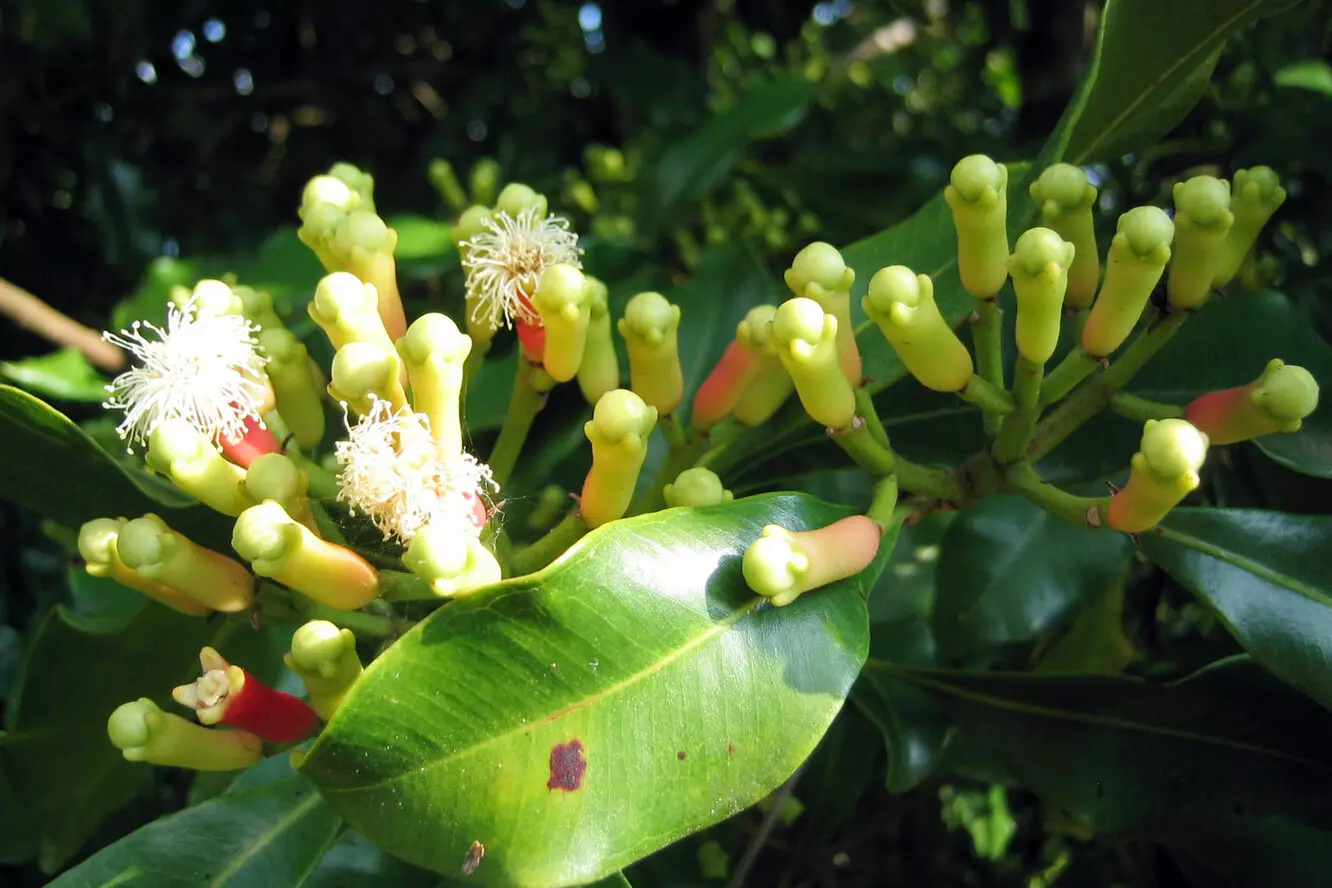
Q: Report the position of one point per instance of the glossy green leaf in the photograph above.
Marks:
(1152, 62)
(1124, 757)
(40, 450)
(425, 247)
(538, 716)
(1009, 572)
(354, 861)
(1314, 75)
(271, 837)
(64, 375)
(1266, 576)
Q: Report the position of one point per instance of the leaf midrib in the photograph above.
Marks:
(1234, 559)
(264, 839)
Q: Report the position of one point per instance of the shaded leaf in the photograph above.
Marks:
(354, 861)
(64, 375)
(538, 716)
(1314, 75)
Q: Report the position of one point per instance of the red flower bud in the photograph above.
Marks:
(256, 442)
(228, 695)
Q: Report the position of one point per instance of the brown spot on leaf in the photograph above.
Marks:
(473, 858)
(680, 755)
(566, 766)
(729, 749)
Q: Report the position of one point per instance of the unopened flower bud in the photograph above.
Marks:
(806, 340)
(483, 180)
(1277, 401)
(445, 181)
(325, 658)
(363, 374)
(1138, 255)
(819, 272)
(255, 440)
(977, 193)
(1257, 195)
(144, 733)
(151, 549)
(599, 371)
(364, 245)
(347, 310)
(276, 477)
(183, 454)
(618, 431)
(1066, 199)
(471, 222)
(1040, 270)
(1202, 221)
(902, 304)
(434, 351)
(358, 181)
(452, 563)
(279, 547)
(1163, 471)
(517, 197)
(650, 327)
(213, 298)
(324, 202)
(783, 564)
(745, 359)
(228, 695)
(257, 305)
(295, 388)
(562, 300)
(99, 549)
(698, 486)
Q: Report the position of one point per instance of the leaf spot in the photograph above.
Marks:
(566, 766)
(680, 755)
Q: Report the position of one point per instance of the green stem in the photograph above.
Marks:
(884, 505)
(551, 546)
(992, 400)
(1076, 366)
(1141, 409)
(280, 604)
(866, 410)
(860, 443)
(323, 484)
(1015, 433)
(399, 585)
(934, 483)
(1094, 397)
(524, 404)
(987, 338)
(1086, 511)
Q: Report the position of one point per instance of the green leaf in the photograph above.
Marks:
(425, 248)
(20, 833)
(271, 837)
(578, 719)
(355, 862)
(41, 450)
(1152, 62)
(1009, 572)
(1266, 576)
(64, 375)
(1311, 74)
(1218, 751)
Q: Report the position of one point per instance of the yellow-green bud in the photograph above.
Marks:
(902, 304)
(517, 197)
(279, 547)
(214, 298)
(806, 340)
(1066, 199)
(618, 431)
(483, 181)
(363, 373)
(1039, 267)
(299, 400)
(562, 298)
(154, 551)
(471, 223)
(365, 244)
(446, 182)
(1163, 471)
(347, 310)
(977, 193)
(452, 563)
(324, 202)
(770, 385)
(185, 455)
(1277, 401)
(1257, 195)
(1202, 220)
(650, 328)
(257, 305)
(599, 371)
(144, 733)
(783, 565)
(434, 351)
(98, 547)
(819, 272)
(358, 181)
(698, 486)
(274, 476)
(325, 658)
(1138, 255)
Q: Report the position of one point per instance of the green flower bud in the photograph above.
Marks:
(1257, 195)
(325, 658)
(769, 385)
(1202, 221)
(1040, 269)
(365, 244)
(1277, 401)
(1066, 199)
(517, 197)
(276, 477)
(818, 272)
(618, 431)
(650, 327)
(98, 547)
(749, 355)
(1138, 255)
(144, 733)
(783, 565)
(214, 299)
(156, 552)
(257, 305)
(484, 179)
(806, 340)
(453, 564)
(562, 299)
(324, 202)
(358, 181)
(279, 547)
(181, 452)
(364, 373)
(446, 183)
(289, 370)
(902, 304)
(978, 196)
(347, 310)
(1163, 471)
(599, 371)
(471, 223)
(434, 352)
(698, 486)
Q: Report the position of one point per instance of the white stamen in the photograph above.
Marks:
(504, 262)
(203, 368)
(392, 472)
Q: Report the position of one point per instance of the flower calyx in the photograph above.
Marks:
(650, 328)
(618, 431)
(902, 304)
(228, 695)
(783, 565)
(281, 548)
(977, 193)
(1277, 401)
(325, 658)
(144, 733)
(1162, 472)
(805, 337)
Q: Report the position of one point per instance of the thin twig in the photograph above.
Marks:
(33, 314)
(765, 829)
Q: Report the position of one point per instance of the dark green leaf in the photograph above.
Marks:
(1266, 576)
(355, 862)
(1272, 852)
(641, 657)
(64, 375)
(271, 837)
(20, 833)
(1009, 572)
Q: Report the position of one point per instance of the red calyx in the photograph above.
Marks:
(270, 714)
(532, 334)
(256, 442)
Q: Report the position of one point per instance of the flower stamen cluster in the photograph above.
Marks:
(505, 260)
